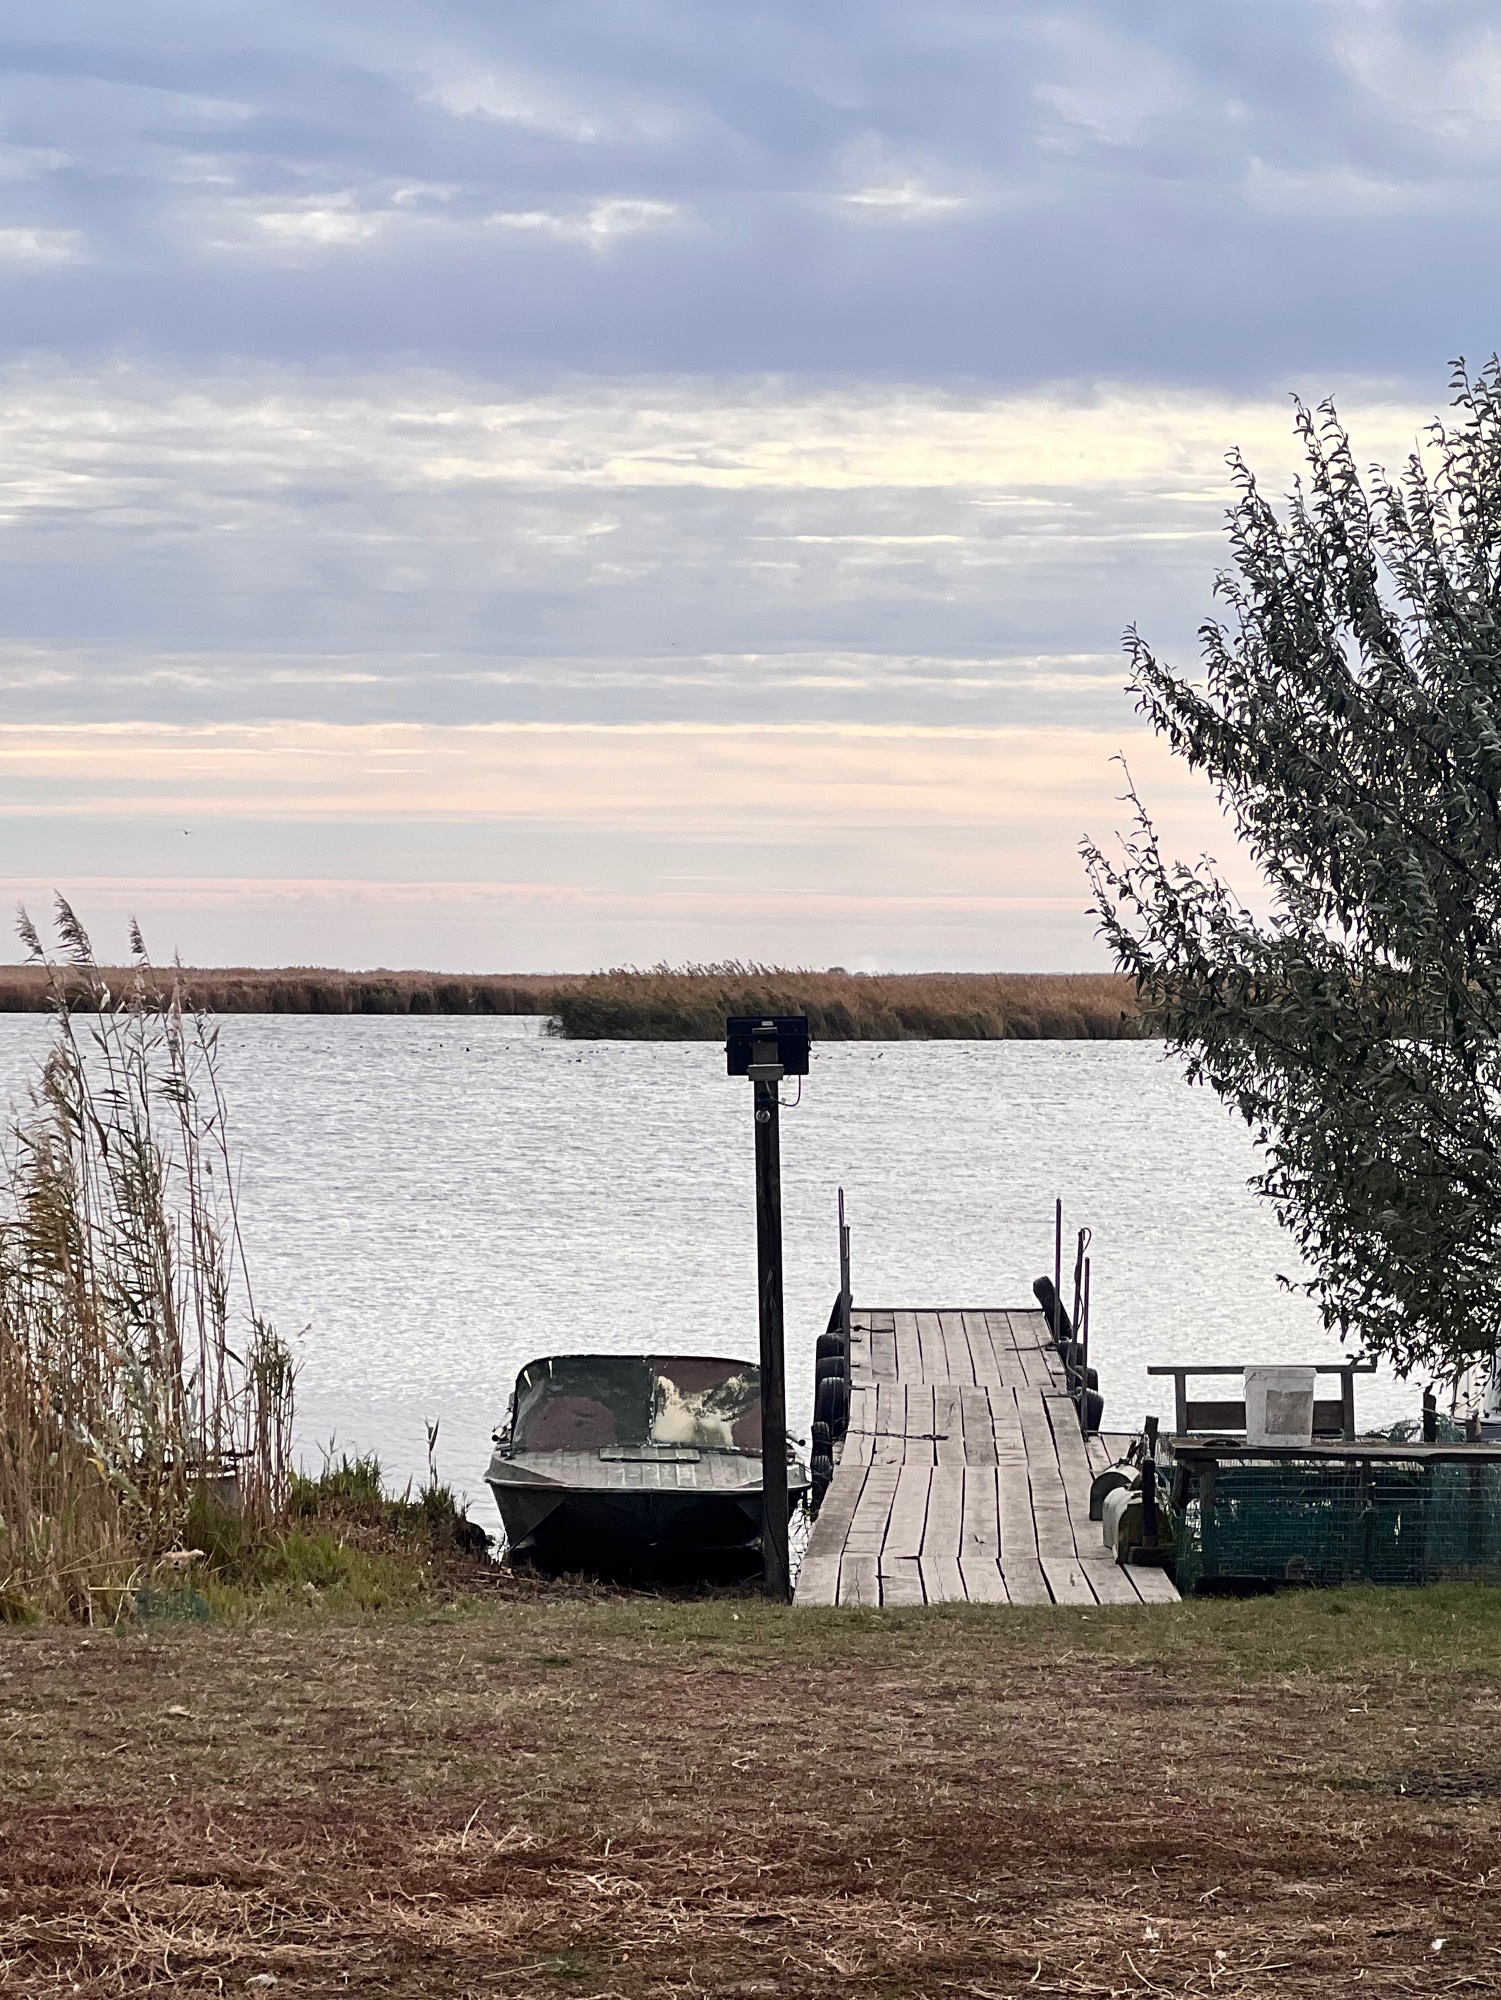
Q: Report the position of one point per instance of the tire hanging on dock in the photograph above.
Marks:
(820, 1465)
(1055, 1311)
(831, 1405)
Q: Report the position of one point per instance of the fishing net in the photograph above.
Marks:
(1350, 1521)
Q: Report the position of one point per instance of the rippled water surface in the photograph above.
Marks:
(428, 1204)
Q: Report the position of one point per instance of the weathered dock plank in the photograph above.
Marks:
(981, 1351)
(909, 1513)
(859, 1580)
(978, 1426)
(1153, 1586)
(979, 1515)
(983, 1582)
(1023, 1572)
(909, 1366)
(948, 1424)
(943, 1534)
(881, 1334)
(931, 1345)
(1003, 1347)
(964, 1476)
(956, 1340)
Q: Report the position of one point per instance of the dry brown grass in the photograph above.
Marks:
(647, 1799)
(686, 1003)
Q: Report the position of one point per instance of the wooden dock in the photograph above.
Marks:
(963, 1476)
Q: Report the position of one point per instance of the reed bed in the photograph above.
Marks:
(139, 1385)
(690, 1003)
(664, 1003)
(301, 989)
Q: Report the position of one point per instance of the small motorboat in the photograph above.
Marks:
(635, 1464)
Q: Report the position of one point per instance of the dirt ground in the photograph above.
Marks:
(635, 1797)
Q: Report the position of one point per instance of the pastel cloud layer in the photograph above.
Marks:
(687, 468)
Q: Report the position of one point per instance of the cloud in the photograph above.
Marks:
(676, 777)
(40, 247)
(1432, 72)
(998, 193)
(323, 221)
(1343, 193)
(598, 225)
(908, 202)
(129, 432)
(429, 548)
(1106, 86)
(550, 105)
(891, 184)
(338, 221)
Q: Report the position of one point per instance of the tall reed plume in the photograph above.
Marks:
(136, 1377)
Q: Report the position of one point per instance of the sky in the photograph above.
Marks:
(506, 487)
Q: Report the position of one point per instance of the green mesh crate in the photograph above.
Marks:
(1323, 1521)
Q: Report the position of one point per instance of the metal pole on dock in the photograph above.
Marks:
(1057, 1265)
(1084, 1354)
(844, 1292)
(766, 1050)
(1079, 1279)
(773, 1350)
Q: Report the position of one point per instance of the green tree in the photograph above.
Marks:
(1349, 720)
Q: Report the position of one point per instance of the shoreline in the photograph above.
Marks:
(661, 1004)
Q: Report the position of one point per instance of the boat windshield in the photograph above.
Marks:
(715, 1405)
(586, 1402)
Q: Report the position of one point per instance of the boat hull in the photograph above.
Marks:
(634, 1532)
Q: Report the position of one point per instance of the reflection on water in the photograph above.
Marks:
(437, 1202)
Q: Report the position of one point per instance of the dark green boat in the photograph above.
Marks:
(635, 1464)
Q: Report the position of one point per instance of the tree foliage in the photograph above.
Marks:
(1349, 719)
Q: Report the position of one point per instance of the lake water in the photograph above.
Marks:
(427, 1204)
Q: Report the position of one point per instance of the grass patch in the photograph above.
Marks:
(348, 1546)
(318, 1569)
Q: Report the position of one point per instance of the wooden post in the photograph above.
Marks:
(777, 1582)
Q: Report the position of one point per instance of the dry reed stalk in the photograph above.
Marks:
(136, 1376)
